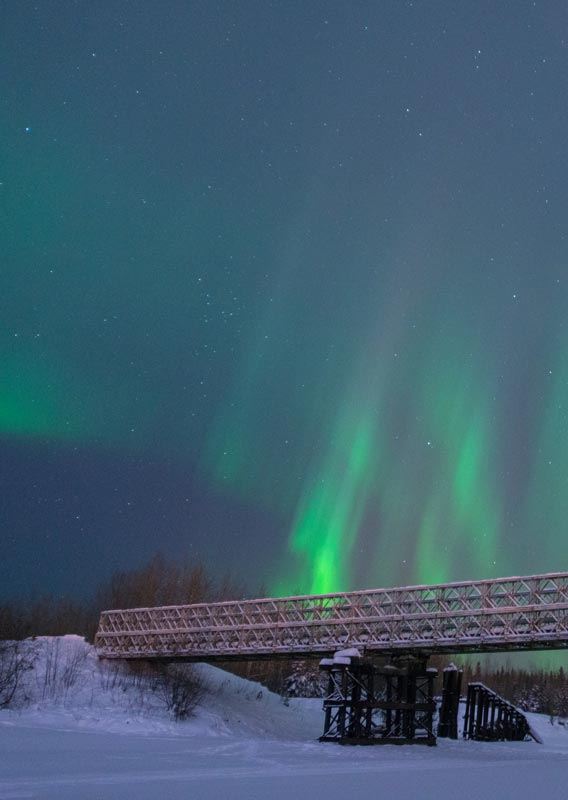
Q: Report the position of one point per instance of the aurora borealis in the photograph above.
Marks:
(284, 289)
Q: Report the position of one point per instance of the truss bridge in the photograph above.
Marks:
(521, 613)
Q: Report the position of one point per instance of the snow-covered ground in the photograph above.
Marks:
(88, 734)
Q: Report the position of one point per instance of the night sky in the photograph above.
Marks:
(283, 289)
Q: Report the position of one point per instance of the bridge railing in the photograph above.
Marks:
(506, 613)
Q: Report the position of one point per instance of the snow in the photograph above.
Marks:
(350, 652)
(93, 737)
(341, 657)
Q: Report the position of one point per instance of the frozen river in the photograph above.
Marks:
(42, 762)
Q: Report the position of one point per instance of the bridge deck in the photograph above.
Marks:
(472, 616)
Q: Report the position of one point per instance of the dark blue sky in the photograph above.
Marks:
(283, 289)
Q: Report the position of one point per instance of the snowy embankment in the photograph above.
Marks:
(84, 729)
(69, 686)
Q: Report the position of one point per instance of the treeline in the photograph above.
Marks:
(538, 690)
(160, 581)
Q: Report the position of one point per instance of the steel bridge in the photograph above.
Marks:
(522, 613)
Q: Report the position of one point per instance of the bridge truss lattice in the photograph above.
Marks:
(472, 616)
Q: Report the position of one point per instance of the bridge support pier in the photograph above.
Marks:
(370, 704)
(449, 710)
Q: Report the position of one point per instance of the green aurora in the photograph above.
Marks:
(317, 303)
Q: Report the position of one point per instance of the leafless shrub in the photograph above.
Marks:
(72, 664)
(137, 680)
(181, 688)
(47, 681)
(111, 674)
(178, 688)
(15, 661)
(143, 675)
(62, 665)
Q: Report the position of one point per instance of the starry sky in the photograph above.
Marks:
(283, 289)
